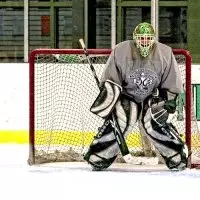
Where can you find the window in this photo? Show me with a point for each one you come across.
(172, 24)
(11, 34)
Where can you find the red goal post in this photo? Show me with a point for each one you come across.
(53, 131)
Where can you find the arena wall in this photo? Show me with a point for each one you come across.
(14, 101)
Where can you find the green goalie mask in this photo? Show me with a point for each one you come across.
(144, 37)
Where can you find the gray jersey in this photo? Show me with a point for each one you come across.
(139, 76)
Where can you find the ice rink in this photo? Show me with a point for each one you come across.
(19, 181)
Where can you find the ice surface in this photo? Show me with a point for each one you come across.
(74, 181)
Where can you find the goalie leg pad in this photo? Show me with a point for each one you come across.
(104, 148)
(179, 160)
(165, 138)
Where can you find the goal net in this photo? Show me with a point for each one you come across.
(62, 90)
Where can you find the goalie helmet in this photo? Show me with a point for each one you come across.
(144, 37)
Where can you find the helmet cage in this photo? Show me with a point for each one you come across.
(144, 43)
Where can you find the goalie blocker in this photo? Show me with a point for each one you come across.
(156, 113)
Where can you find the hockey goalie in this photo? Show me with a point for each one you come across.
(141, 83)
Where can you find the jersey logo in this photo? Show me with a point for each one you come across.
(143, 81)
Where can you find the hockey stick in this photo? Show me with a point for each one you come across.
(118, 135)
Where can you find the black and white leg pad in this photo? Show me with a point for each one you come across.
(165, 137)
(104, 148)
(106, 100)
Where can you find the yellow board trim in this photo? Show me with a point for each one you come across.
(14, 136)
(22, 137)
(76, 138)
